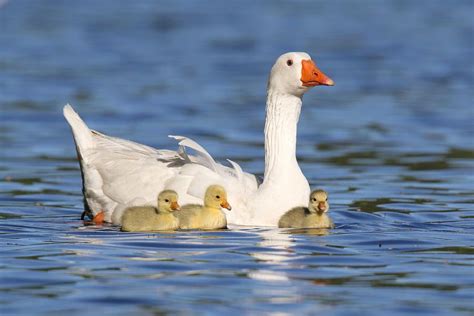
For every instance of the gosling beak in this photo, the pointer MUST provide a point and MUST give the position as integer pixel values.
(322, 207)
(311, 75)
(226, 205)
(175, 206)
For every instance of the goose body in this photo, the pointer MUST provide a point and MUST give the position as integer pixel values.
(117, 173)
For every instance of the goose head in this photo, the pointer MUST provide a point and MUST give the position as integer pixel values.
(318, 202)
(295, 73)
(216, 197)
(168, 201)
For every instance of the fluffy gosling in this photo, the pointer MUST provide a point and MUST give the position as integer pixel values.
(313, 216)
(209, 216)
(149, 218)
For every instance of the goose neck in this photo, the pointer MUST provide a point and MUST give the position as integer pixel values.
(282, 115)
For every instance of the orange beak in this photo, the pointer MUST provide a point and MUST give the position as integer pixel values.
(322, 206)
(175, 206)
(226, 205)
(311, 75)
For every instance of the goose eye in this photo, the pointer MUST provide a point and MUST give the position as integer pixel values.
(326, 199)
(218, 197)
(166, 200)
(289, 62)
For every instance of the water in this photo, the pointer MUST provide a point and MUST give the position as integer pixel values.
(392, 142)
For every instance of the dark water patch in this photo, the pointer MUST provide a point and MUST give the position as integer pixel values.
(427, 165)
(27, 181)
(372, 205)
(417, 285)
(9, 216)
(25, 104)
(42, 195)
(164, 23)
(410, 161)
(407, 178)
(454, 250)
(315, 250)
(461, 153)
(56, 158)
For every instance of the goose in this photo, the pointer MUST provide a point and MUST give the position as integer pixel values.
(313, 216)
(149, 218)
(117, 172)
(209, 215)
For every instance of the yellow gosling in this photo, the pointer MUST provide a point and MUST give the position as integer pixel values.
(209, 216)
(313, 216)
(148, 218)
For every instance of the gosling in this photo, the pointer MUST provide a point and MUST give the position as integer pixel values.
(209, 216)
(149, 218)
(313, 216)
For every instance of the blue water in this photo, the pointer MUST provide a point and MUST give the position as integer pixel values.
(392, 142)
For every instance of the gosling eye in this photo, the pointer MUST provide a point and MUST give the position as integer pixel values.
(166, 200)
(326, 199)
(313, 199)
(289, 62)
(218, 197)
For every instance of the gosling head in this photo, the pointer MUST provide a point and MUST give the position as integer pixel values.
(168, 201)
(216, 197)
(318, 202)
(295, 73)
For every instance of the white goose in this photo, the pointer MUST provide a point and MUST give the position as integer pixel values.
(118, 173)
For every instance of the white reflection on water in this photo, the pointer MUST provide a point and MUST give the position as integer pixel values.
(279, 250)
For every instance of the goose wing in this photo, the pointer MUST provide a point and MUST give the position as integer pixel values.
(118, 173)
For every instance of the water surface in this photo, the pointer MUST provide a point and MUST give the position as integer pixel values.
(392, 142)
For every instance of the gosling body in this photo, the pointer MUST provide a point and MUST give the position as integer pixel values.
(313, 216)
(208, 216)
(148, 218)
